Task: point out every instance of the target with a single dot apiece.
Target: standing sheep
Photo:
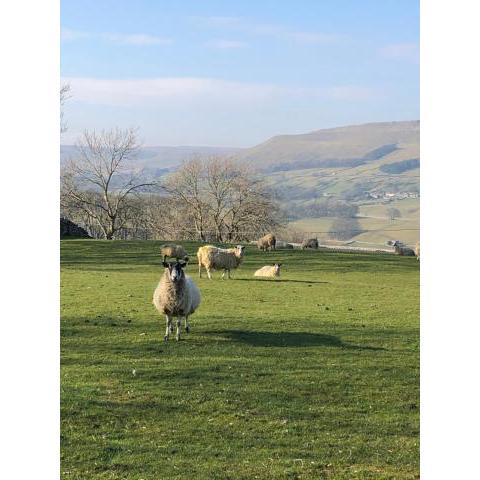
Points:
(214, 258)
(417, 250)
(310, 243)
(176, 296)
(173, 251)
(267, 242)
(268, 271)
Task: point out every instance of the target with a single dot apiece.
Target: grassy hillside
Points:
(373, 166)
(368, 142)
(315, 375)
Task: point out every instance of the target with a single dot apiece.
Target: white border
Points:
(30, 33)
(450, 185)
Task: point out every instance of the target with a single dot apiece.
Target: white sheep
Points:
(214, 258)
(269, 271)
(176, 296)
(173, 251)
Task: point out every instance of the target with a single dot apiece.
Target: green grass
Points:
(313, 376)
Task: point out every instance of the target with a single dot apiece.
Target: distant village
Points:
(391, 195)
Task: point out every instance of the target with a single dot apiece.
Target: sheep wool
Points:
(268, 271)
(267, 242)
(176, 299)
(173, 251)
(417, 250)
(214, 258)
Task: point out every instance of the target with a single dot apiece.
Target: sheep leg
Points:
(179, 328)
(187, 325)
(208, 273)
(168, 327)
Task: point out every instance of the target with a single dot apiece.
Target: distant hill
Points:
(160, 160)
(334, 147)
(372, 167)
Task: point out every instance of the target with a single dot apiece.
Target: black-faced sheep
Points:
(214, 258)
(310, 243)
(269, 271)
(173, 251)
(176, 296)
(267, 242)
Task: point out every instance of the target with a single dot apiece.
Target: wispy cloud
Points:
(401, 51)
(226, 44)
(278, 31)
(138, 39)
(193, 90)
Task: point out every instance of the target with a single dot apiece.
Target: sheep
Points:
(173, 251)
(214, 258)
(269, 271)
(402, 250)
(417, 250)
(267, 242)
(310, 243)
(176, 296)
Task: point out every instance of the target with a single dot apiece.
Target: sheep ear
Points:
(182, 264)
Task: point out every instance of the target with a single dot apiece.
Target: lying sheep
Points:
(173, 251)
(402, 250)
(176, 296)
(214, 258)
(310, 243)
(269, 271)
(267, 242)
(417, 250)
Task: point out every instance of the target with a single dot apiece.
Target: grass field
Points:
(313, 376)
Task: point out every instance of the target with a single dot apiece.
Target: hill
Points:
(372, 168)
(158, 160)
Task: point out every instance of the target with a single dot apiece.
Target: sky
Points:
(235, 73)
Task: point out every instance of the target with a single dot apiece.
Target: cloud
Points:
(226, 44)
(401, 51)
(277, 31)
(182, 91)
(137, 39)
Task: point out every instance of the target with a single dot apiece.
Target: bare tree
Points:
(223, 198)
(64, 96)
(187, 187)
(101, 180)
(222, 176)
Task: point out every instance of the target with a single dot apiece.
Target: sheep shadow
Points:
(288, 339)
(277, 280)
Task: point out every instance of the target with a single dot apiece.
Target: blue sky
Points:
(234, 73)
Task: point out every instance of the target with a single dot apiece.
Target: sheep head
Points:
(174, 270)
